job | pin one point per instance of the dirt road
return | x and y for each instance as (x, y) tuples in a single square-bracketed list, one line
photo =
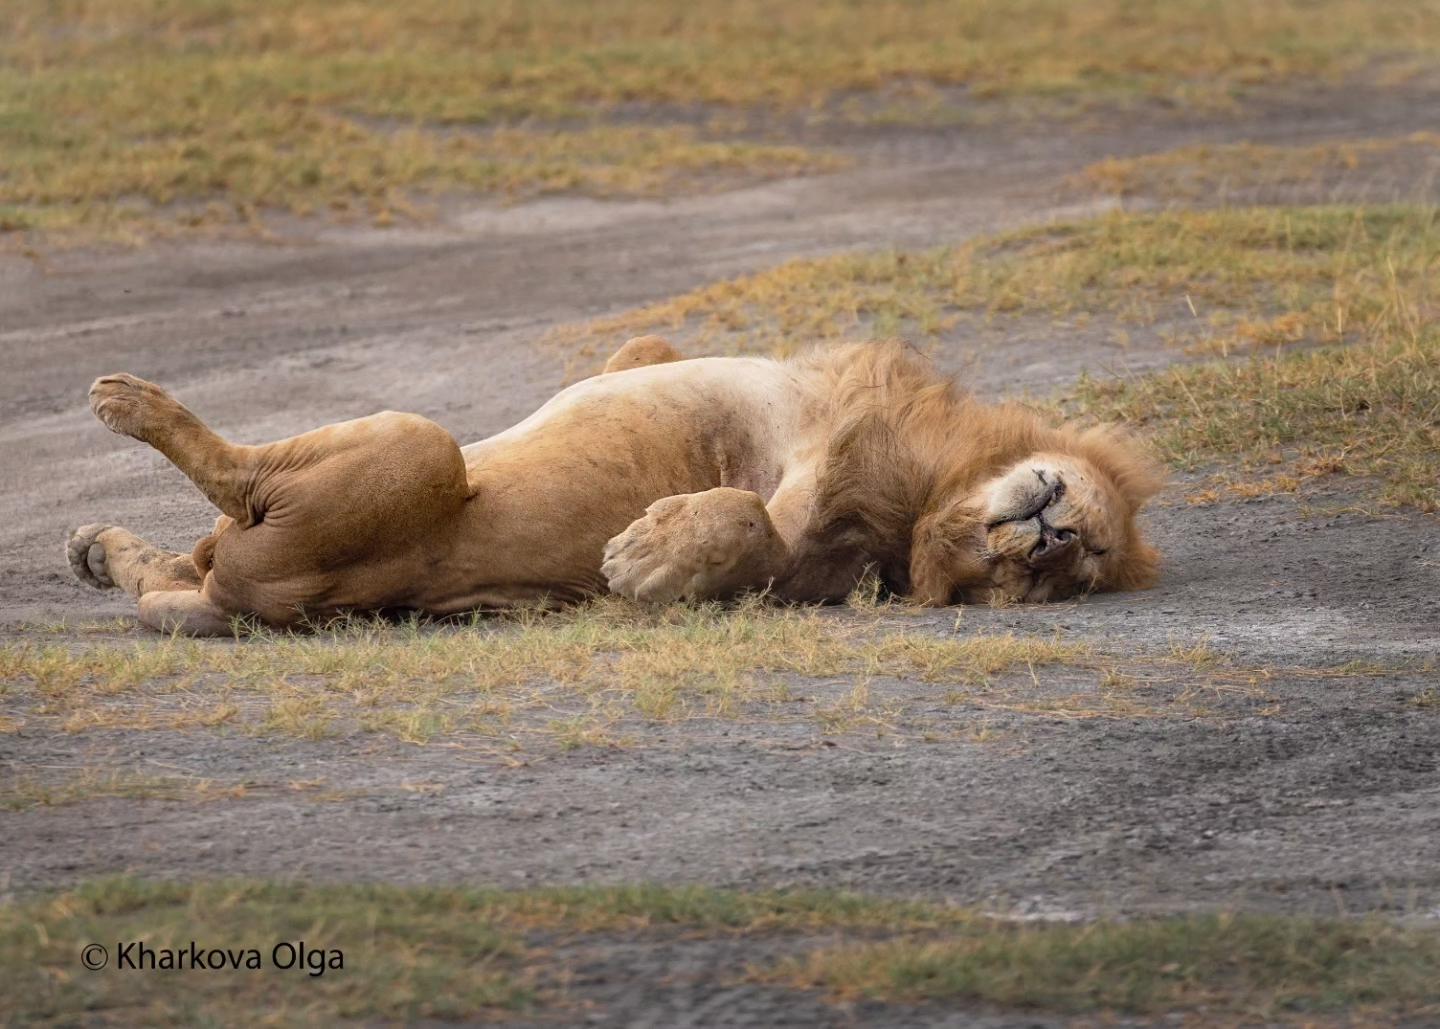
[(1322, 796)]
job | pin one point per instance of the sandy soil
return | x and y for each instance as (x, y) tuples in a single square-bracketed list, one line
[(1322, 796)]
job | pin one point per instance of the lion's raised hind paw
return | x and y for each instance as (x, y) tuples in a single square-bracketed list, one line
[(126, 404)]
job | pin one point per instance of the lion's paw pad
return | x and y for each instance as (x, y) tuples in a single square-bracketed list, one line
[(86, 555)]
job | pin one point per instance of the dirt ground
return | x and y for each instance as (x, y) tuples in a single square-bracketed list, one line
[(1321, 796)]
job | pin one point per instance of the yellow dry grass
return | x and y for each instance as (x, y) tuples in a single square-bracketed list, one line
[(1217, 174), (1234, 279), (571, 677), (598, 674)]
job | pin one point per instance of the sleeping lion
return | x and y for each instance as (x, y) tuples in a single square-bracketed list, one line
[(659, 479)]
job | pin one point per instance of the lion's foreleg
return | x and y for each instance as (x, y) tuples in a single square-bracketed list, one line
[(169, 587), (697, 546)]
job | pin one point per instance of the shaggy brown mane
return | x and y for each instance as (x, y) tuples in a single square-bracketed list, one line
[(907, 446)]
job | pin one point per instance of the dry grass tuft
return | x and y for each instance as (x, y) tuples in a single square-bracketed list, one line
[(787, 308)]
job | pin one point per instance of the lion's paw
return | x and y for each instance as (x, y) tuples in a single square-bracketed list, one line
[(86, 555), (127, 405), (694, 545)]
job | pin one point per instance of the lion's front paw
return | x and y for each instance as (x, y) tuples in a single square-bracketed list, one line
[(695, 545), (86, 555), (125, 404)]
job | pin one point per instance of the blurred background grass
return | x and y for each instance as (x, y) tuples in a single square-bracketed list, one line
[(117, 114)]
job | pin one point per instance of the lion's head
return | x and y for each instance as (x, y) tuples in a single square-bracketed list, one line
[(1059, 522)]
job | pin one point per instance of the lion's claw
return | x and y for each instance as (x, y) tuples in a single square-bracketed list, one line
[(86, 555)]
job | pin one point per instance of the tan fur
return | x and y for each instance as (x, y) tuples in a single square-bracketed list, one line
[(642, 351), (660, 479)]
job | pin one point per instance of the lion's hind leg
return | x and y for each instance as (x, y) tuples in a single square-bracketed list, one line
[(142, 410)]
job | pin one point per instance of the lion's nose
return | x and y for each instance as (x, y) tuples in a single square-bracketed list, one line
[(1053, 544)]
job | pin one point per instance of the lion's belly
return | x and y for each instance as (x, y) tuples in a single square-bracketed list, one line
[(761, 392), (551, 491)]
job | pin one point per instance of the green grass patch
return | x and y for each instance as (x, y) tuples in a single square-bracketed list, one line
[(121, 115), (407, 954), (1251, 966), (455, 953)]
